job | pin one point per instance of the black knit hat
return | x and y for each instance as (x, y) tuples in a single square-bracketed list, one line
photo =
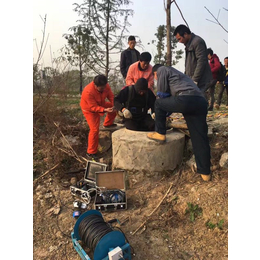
[(141, 85)]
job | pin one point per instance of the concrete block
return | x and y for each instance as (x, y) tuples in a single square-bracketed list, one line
[(132, 150)]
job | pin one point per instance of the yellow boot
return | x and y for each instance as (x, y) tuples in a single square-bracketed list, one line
[(157, 137), (206, 177)]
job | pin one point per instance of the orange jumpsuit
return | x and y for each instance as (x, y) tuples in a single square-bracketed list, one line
[(134, 73), (92, 105)]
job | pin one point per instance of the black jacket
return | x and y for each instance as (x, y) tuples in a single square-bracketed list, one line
[(126, 60), (138, 105)]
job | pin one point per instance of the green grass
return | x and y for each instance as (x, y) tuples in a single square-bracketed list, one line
[(193, 211)]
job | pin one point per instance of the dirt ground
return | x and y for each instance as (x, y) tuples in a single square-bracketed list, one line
[(190, 223)]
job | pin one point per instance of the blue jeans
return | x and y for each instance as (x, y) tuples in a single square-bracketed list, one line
[(194, 110)]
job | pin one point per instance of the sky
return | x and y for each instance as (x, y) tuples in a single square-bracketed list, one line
[(148, 15)]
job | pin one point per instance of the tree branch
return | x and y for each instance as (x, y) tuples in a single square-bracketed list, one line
[(216, 19), (174, 1), (40, 53)]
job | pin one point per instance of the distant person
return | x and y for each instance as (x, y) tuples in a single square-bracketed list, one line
[(196, 61), (134, 101), (223, 86), (215, 66), (129, 56), (182, 95), (141, 69), (93, 105)]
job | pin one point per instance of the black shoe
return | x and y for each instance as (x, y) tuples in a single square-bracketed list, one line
[(92, 156), (109, 126)]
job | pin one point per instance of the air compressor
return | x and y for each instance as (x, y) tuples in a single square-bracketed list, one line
[(100, 237)]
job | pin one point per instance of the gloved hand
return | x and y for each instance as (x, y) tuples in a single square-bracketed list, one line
[(127, 113), (196, 83), (153, 116)]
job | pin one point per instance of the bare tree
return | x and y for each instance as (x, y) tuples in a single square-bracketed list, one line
[(167, 7), (36, 72), (43, 43)]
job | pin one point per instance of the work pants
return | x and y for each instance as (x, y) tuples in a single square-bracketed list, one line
[(194, 110), (203, 88), (221, 91), (145, 123), (212, 86), (93, 120)]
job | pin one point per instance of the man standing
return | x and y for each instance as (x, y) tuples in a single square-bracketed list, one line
[(223, 86), (129, 56), (141, 69), (215, 66), (182, 96), (196, 61), (93, 105), (134, 101)]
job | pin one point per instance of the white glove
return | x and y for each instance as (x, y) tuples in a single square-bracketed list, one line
[(120, 113), (153, 116), (127, 113), (196, 83)]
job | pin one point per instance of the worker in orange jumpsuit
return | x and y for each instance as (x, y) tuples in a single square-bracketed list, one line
[(93, 105)]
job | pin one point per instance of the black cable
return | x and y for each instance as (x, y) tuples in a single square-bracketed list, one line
[(92, 229), (57, 218)]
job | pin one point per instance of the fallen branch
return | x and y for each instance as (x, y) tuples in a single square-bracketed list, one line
[(78, 158), (186, 132), (154, 209), (34, 182), (165, 195), (178, 125)]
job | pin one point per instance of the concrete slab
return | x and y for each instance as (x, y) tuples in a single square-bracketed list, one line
[(133, 151)]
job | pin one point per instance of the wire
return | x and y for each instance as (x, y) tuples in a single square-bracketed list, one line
[(92, 229)]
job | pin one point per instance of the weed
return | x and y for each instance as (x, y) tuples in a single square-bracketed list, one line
[(220, 224), (210, 225), (194, 211)]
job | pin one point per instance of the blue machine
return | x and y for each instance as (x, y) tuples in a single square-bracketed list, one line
[(106, 244)]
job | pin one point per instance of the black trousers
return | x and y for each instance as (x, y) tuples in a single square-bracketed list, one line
[(194, 110), (145, 123)]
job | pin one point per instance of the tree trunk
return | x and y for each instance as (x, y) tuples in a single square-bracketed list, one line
[(80, 69), (107, 35), (80, 78), (168, 34)]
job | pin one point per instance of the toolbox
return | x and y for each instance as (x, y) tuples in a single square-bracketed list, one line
[(111, 191), (87, 185)]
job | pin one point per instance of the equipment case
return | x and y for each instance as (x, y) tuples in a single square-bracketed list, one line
[(89, 179), (111, 192)]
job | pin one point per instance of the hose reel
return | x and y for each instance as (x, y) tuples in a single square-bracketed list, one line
[(100, 237)]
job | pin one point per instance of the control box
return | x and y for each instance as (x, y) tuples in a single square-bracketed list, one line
[(111, 191)]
